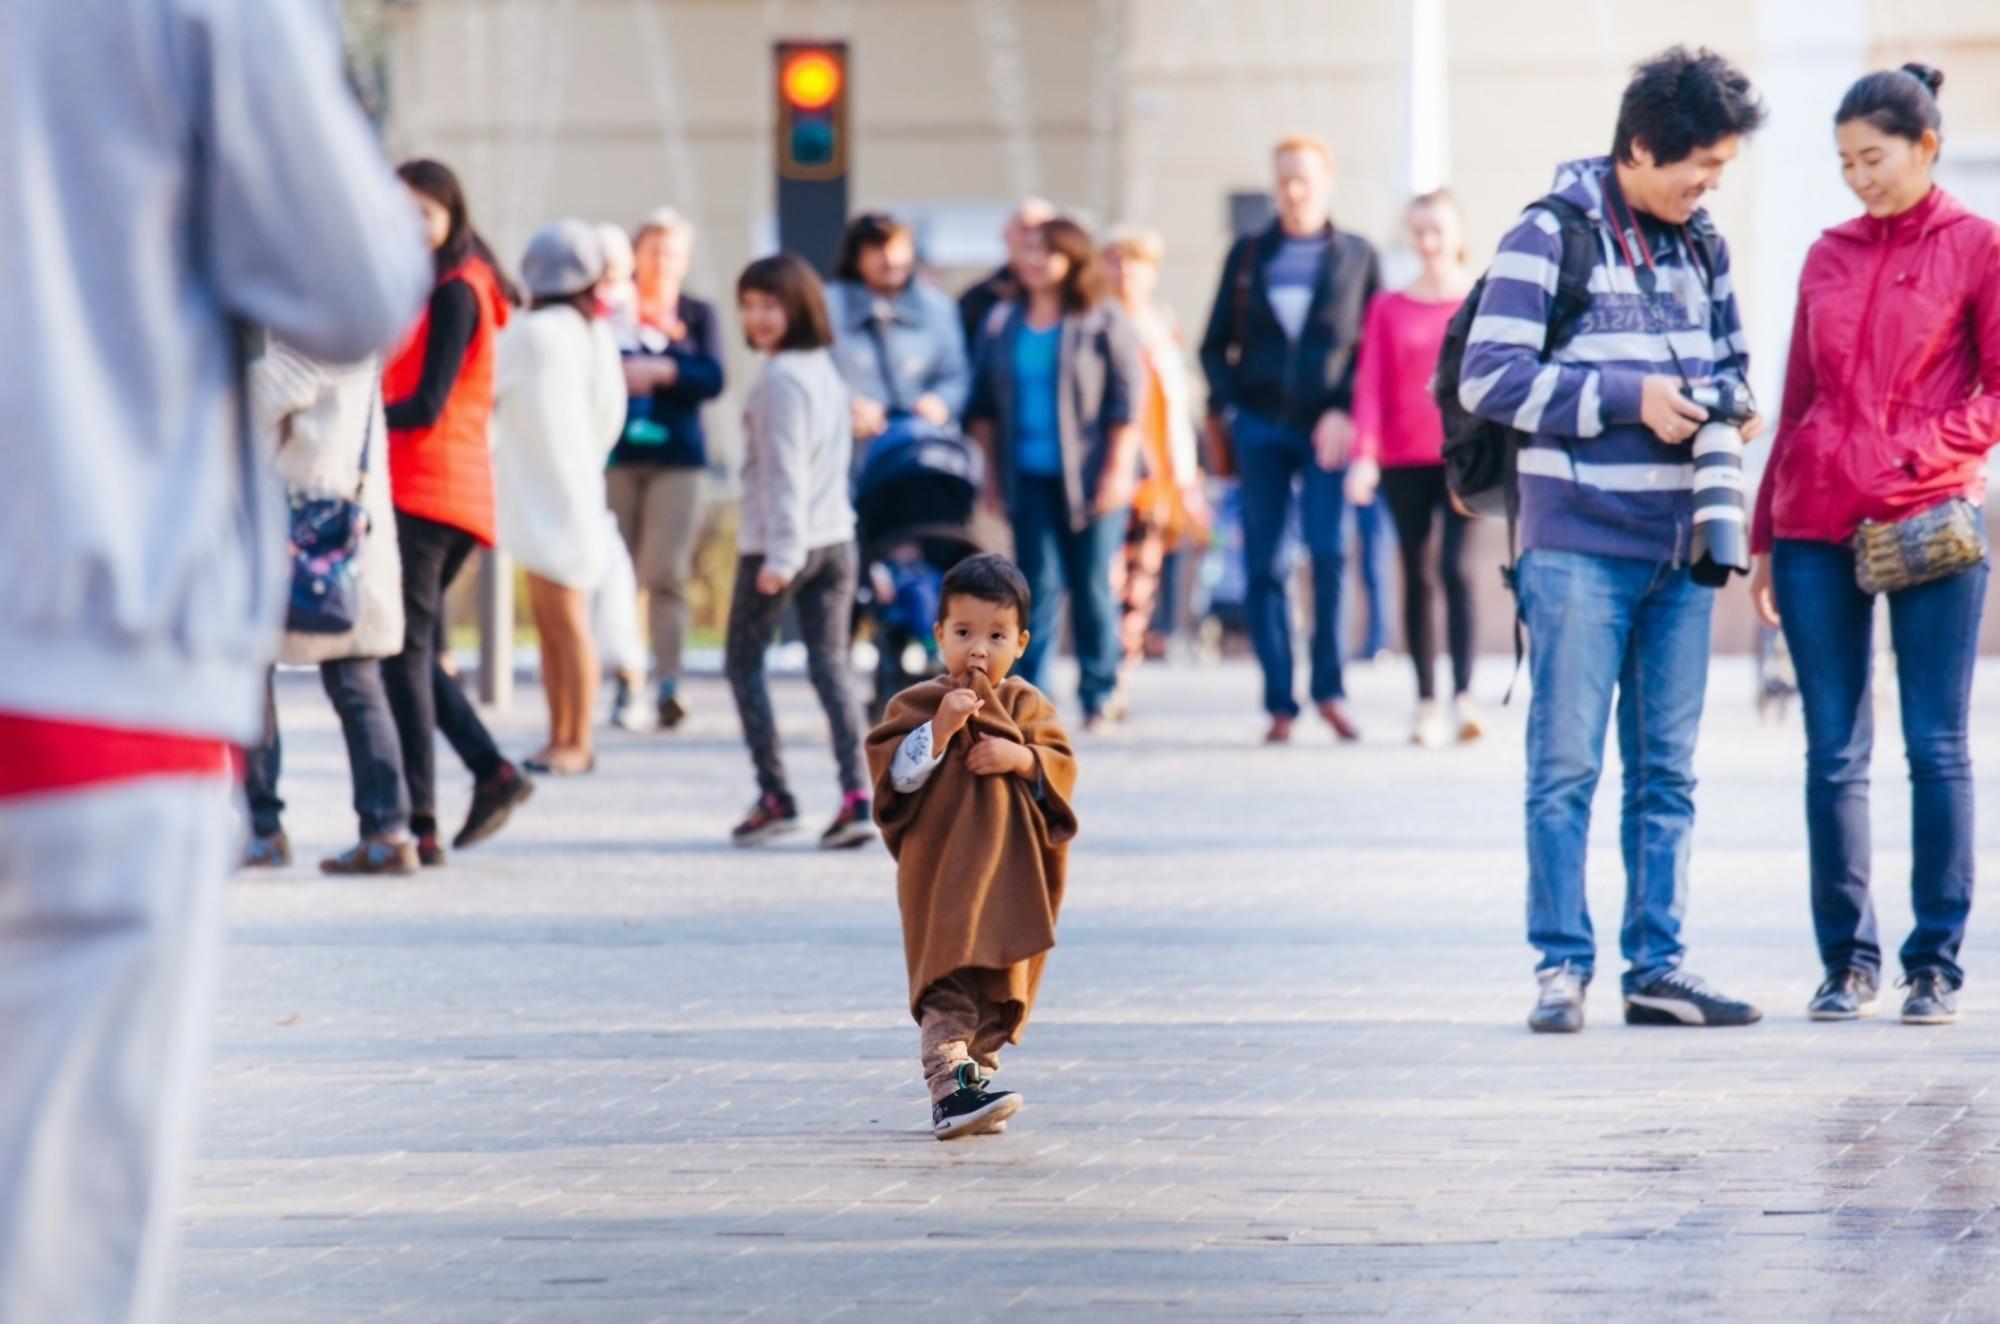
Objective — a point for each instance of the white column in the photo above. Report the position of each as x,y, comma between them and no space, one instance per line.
1809,51
1423,158
1426,144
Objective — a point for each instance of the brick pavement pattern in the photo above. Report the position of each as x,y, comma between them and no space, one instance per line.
608,1069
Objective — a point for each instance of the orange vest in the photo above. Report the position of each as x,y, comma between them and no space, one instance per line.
445,472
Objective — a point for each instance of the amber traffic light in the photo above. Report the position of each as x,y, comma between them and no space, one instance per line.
812,110
812,80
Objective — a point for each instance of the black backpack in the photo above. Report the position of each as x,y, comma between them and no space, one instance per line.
1479,453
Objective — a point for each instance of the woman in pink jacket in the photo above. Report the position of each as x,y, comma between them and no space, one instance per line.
1892,400
1399,448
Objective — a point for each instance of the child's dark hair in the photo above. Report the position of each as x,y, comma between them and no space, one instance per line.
987,578
790,280
1680,101
1900,102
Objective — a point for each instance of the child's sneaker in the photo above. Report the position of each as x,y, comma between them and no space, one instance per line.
971,1112
772,816
853,826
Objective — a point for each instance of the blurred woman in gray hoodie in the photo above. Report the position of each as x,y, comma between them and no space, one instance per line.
170,172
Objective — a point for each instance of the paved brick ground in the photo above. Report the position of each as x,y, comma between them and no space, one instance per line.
606,1069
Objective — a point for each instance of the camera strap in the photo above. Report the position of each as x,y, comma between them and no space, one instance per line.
1638,253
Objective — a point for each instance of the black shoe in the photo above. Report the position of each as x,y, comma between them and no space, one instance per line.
1559,1008
268,852
1847,995
550,768
429,854
1933,999
492,801
853,826
970,1112
1680,998
772,816
671,713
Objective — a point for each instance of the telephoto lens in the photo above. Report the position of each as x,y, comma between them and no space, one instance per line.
1721,526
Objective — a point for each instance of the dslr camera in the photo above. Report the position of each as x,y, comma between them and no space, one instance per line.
1721,525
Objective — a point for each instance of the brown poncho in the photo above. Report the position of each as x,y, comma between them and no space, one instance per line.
980,863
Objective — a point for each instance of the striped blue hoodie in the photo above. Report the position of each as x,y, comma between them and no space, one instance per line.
1594,478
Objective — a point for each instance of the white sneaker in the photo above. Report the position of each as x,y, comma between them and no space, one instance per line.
628,709
1428,729
633,715
1471,722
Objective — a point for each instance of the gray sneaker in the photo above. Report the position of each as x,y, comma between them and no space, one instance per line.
1933,999
1847,995
1559,1008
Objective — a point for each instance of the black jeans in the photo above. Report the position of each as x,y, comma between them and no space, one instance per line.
422,697
374,753
824,595
1416,498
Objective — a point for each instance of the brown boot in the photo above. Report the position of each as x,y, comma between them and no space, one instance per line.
1336,715
267,852
375,856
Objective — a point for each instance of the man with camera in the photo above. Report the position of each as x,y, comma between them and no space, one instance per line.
1611,535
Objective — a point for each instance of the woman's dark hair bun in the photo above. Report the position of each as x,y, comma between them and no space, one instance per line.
1929,77
1902,102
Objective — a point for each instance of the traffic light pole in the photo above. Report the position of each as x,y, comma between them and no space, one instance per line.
813,149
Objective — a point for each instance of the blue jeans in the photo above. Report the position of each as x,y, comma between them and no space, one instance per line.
1830,628
1271,462
1060,562
374,752
1598,624
1375,548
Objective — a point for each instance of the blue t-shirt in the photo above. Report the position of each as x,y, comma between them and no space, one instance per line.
1037,434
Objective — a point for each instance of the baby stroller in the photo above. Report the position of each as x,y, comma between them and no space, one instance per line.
913,503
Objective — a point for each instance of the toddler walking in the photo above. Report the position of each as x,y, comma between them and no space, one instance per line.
973,779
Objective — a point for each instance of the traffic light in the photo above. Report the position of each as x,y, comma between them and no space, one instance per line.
812,110
813,148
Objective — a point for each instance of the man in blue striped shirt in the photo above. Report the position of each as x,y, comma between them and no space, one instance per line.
1607,519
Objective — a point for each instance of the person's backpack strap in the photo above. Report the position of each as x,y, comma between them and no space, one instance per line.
1245,259
1579,259
1706,241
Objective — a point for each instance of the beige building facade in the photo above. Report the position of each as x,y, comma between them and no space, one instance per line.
1153,111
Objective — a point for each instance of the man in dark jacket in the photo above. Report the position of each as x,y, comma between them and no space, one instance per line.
1279,353
977,303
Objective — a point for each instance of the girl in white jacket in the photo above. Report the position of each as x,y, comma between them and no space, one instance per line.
559,406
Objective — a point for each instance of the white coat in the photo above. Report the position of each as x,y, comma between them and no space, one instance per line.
558,409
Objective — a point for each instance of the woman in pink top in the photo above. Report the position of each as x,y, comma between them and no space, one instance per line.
1399,447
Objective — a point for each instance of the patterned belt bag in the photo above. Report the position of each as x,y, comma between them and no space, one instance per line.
1931,544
